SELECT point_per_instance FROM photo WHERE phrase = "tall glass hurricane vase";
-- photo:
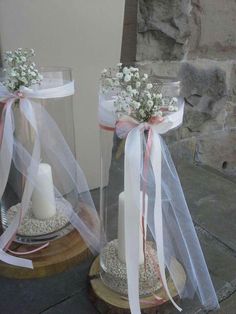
(45, 218)
(149, 243)
(112, 206)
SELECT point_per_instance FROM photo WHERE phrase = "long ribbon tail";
(132, 216)
(30, 251)
(145, 178)
(10, 232)
(6, 154)
(158, 222)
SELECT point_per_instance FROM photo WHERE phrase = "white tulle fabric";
(168, 217)
(49, 143)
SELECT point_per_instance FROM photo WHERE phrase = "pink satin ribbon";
(145, 175)
(29, 251)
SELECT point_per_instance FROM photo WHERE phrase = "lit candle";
(121, 230)
(43, 199)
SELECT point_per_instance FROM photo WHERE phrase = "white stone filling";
(114, 276)
(30, 226)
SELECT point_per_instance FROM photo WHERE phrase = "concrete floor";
(212, 202)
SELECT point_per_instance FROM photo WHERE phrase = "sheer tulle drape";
(168, 217)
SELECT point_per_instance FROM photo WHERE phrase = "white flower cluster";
(136, 95)
(19, 69)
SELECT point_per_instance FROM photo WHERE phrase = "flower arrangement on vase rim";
(20, 70)
(136, 96)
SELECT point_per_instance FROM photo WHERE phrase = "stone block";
(160, 68)
(218, 150)
(200, 82)
(174, 29)
(212, 26)
(230, 119)
(183, 150)
(163, 29)
(232, 81)
(204, 118)
(223, 73)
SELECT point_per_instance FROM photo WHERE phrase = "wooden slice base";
(59, 256)
(110, 302)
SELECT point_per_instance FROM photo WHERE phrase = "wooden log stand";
(59, 256)
(110, 302)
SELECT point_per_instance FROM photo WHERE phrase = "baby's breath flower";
(126, 71)
(13, 73)
(149, 103)
(127, 78)
(171, 108)
(123, 93)
(138, 84)
(142, 113)
(119, 75)
(19, 69)
(132, 69)
(149, 86)
(135, 104)
(129, 88)
(135, 94)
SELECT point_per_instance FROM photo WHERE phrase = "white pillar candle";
(43, 199)
(121, 230)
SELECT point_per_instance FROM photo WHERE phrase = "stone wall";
(196, 42)
(213, 29)
(163, 29)
(173, 29)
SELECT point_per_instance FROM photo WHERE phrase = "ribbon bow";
(30, 111)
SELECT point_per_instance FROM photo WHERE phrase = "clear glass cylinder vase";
(113, 256)
(44, 220)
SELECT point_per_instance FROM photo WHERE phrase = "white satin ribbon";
(25, 96)
(133, 169)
